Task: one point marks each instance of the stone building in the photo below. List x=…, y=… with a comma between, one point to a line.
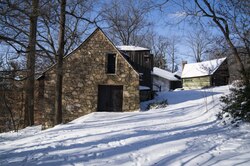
x=96, y=77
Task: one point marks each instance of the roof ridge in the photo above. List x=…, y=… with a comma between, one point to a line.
x=204, y=68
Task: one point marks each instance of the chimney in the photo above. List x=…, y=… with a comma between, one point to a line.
x=183, y=64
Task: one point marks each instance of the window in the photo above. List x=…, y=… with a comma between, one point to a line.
x=141, y=76
x=111, y=63
x=146, y=58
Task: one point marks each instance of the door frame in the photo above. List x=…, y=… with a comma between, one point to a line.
x=110, y=97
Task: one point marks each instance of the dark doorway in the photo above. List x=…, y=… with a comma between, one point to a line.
x=110, y=98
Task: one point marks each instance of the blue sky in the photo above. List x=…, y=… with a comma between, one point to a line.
x=166, y=23
x=170, y=22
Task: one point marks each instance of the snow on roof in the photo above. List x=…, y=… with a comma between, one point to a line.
x=164, y=74
x=178, y=73
x=202, y=68
x=131, y=48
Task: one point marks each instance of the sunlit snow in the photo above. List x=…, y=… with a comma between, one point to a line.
x=186, y=132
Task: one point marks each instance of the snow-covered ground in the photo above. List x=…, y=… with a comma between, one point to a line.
x=186, y=132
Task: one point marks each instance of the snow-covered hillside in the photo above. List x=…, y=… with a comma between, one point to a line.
x=186, y=132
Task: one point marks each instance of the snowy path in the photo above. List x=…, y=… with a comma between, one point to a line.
x=184, y=133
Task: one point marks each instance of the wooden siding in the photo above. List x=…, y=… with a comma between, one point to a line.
x=221, y=75
x=162, y=84
x=142, y=61
x=196, y=82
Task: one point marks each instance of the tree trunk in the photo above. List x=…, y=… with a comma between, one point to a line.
x=222, y=24
x=31, y=53
x=242, y=68
x=238, y=60
x=225, y=30
x=59, y=67
x=10, y=111
x=173, y=58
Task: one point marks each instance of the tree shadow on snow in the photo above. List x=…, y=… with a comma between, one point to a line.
x=176, y=97
x=90, y=152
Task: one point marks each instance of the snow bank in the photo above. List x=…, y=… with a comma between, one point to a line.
x=186, y=132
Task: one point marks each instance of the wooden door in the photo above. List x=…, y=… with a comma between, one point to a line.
x=110, y=98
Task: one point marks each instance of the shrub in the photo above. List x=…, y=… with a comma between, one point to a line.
x=237, y=103
x=158, y=104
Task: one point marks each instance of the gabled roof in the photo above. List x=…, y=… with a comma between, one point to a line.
x=164, y=74
x=132, y=48
x=88, y=38
x=205, y=68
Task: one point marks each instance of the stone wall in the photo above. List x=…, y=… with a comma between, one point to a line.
x=84, y=70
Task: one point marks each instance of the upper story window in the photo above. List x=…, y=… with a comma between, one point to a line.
x=146, y=59
x=111, y=63
x=141, y=76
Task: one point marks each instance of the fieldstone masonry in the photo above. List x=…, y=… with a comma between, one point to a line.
x=84, y=70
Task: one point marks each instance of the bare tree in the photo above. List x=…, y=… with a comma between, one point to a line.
x=165, y=50
x=11, y=96
x=73, y=23
x=128, y=21
x=239, y=15
x=18, y=25
x=78, y=22
x=7, y=120
x=159, y=49
x=223, y=16
x=31, y=54
x=14, y=25
x=199, y=42
x=172, y=51
x=223, y=23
